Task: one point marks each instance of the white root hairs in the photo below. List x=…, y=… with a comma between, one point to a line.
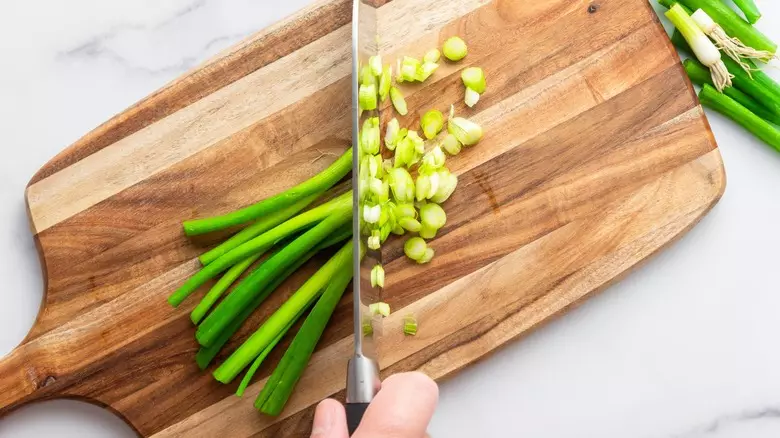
x=737, y=50
x=720, y=76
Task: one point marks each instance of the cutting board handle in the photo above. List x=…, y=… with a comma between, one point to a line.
x=20, y=381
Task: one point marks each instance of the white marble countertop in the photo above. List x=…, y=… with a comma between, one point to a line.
x=684, y=347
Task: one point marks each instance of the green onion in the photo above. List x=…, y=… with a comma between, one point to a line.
x=427, y=232
x=402, y=185
x=375, y=64
x=381, y=309
x=447, y=184
x=219, y=289
x=378, y=276
x=415, y=247
x=280, y=385
x=398, y=101
x=367, y=97
x=425, y=71
x=321, y=182
x=385, y=82
x=454, y=49
x=427, y=256
x=432, y=216
x=432, y=123
x=727, y=106
x=367, y=77
x=410, y=224
x=471, y=98
x=270, y=329
x=232, y=305
x=432, y=55
x=259, y=245
x=474, y=78
x=262, y=225
x=749, y=9
x=410, y=325
x=392, y=134
x=732, y=47
x=702, y=47
x=699, y=75
x=465, y=131
x=371, y=136
x=732, y=23
x=451, y=144
x=206, y=354
x=669, y=3
x=760, y=87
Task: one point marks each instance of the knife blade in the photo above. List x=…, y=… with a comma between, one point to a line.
x=362, y=371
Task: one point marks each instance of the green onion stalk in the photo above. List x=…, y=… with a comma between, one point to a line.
x=730, y=21
x=749, y=10
x=699, y=75
x=261, y=244
x=206, y=354
x=727, y=106
x=227, y=310
x=266, y=334
x=760, y=87
x=280, y=385
x=316, y=185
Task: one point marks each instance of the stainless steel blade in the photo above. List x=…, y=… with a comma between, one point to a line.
x=363, y=372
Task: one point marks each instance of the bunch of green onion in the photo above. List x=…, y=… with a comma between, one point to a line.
x=706, y=27
x=276, y=236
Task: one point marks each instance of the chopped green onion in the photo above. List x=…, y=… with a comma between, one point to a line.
x=367, y=97
x=402, y=185
x=398, y=101
x=410, y=325
x=427, y=256
x=432, y=216
x=391, y=134
x=315, y=185
x=385, y=82
x=410, y=224
x=465, y=131
x=472, y=98
x=432, y=55
x=432, y=123
x=727, y=106
x=382, y=309
x=374, y=241
x=474, y=78
x=375, y=64
x=455, y=49
x=425, y=71
x=427, y=232
x=451, y=144
x=409, y=67
x=367, y=77
x=371, y=136
x=415, y=247
x=702, y=47
x=371, y=214
x=405, y=210
x=447, y=184
x=282, y=381
x=259, y=340
x=378, y=276
x=422, y=187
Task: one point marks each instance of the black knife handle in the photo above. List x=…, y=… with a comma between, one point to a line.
x=355, y=413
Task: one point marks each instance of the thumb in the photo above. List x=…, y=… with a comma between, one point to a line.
x=330, y=420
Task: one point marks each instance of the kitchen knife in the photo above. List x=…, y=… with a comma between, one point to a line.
x=362, y=371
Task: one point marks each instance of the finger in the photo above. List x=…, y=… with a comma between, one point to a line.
x=402, y=409
x=330, y=420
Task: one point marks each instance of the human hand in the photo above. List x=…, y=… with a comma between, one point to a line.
x=402, y=409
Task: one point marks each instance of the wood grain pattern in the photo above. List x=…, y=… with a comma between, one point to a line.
x=596, y=157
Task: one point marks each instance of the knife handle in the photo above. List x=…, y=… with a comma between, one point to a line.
x=355, y=413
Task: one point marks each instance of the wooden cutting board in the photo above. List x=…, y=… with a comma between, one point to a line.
x=596, y=156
